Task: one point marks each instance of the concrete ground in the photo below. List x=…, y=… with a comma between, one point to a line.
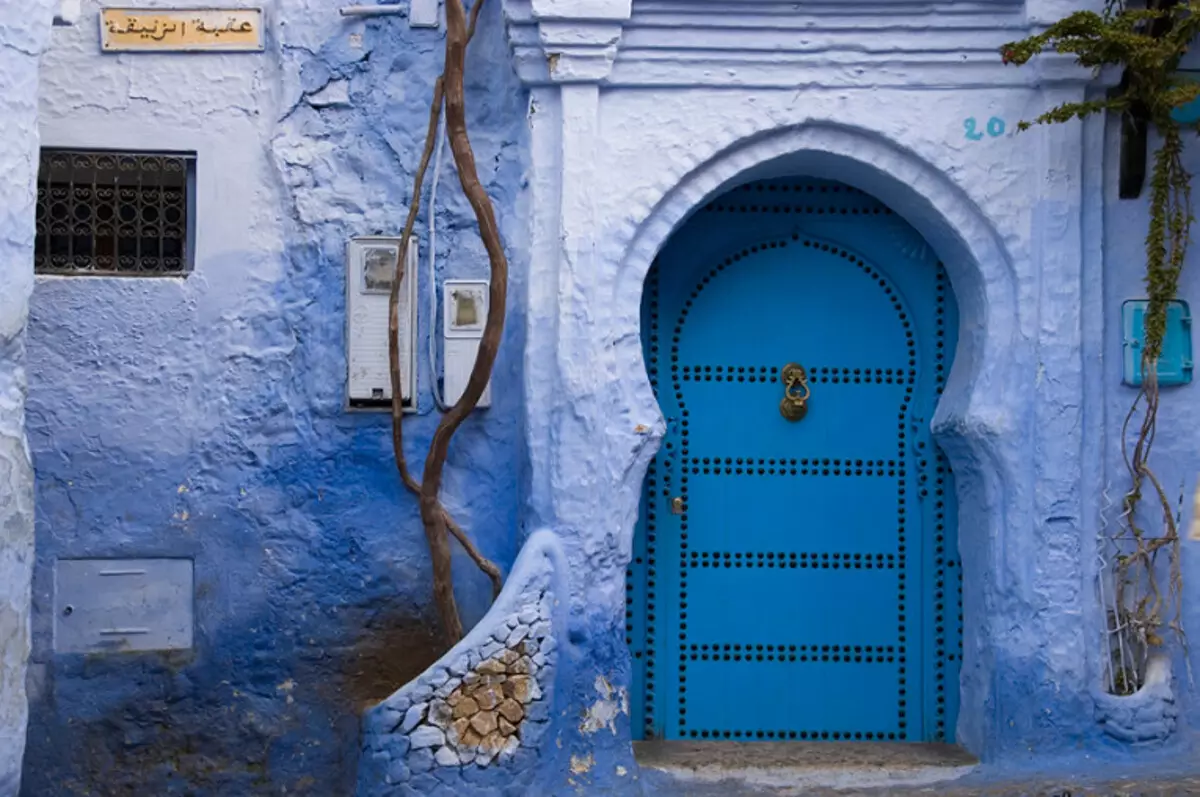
x=731, y=769
x=1175, y=787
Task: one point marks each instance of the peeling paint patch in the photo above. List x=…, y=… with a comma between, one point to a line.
x=603, y=713
x=582, y=764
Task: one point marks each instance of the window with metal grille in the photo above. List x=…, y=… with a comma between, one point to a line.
x=114, y=213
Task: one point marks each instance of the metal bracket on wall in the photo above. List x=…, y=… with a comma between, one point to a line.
x=421, y=13
x=1133, y=156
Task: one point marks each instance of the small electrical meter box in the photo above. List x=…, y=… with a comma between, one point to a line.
x=123, y=605
x=465, y=304
x=1175, y=361
x=370, y=266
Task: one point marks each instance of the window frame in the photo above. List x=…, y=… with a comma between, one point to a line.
x=187, y=255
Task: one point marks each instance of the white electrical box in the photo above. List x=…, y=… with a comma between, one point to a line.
x=370, y=267
x=465, y=310
x=423, y=14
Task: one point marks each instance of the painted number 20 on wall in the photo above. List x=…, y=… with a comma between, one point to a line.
x=995, y=128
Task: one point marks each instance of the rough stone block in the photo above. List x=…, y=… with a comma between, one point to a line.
x=511, y=710
x=489, y=696
x=517, y=634
x=492, y=743
x=413, y=717
x=477, y=775
x=457, y=729
x=484, y=722
x=397, y=745
x=529, y=615
x=382, y=719
x=420, y=760
x=521, y=688
x=425, y=783
x=467, y=707
x=447, y=689
x=491, y=667
x=398, y=772
x=446, y=757
x=426, y=736
x=440, y=714
x=399, y=702
x=452, y=776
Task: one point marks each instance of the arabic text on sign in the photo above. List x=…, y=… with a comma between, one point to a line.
x=181, y=29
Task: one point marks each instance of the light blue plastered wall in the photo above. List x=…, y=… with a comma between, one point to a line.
x=206, y=417
x=24, y=29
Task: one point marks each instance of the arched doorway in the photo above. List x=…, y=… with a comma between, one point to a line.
x=796, y=578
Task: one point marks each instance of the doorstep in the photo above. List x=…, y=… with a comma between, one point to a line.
x=838, y=765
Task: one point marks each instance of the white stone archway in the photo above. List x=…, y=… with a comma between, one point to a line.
x=627, y=142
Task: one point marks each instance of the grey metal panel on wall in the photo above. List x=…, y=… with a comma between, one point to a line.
x=114, y=605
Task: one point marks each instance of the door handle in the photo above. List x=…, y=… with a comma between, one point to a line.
x=794, y=405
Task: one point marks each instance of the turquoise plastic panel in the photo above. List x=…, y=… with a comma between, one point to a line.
x=1189, y=113
x=1175, y=363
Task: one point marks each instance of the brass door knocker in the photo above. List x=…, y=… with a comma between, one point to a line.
x=794, y=405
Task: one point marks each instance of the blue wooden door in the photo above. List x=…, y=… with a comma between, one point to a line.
x=797, y=579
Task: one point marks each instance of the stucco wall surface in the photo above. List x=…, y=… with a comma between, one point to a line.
x=24, y=29
x=205, y=417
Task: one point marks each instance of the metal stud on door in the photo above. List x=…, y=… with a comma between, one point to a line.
x=789, y=581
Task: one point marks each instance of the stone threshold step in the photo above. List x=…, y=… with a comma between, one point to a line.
x=838, y=765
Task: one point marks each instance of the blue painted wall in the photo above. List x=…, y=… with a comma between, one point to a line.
x=1176, y=453
x=205, y=417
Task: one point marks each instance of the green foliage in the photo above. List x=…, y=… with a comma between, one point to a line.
x=1147, y=45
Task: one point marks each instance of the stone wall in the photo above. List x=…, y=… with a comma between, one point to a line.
x=477, y=719
x=24, y=28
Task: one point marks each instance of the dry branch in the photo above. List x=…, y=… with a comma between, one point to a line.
x=457, y=37
x=435, y=517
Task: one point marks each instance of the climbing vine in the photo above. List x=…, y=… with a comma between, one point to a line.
x=1147, y=45
x=448, y=94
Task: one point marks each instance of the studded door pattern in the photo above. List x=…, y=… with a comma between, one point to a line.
x=796, y=580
